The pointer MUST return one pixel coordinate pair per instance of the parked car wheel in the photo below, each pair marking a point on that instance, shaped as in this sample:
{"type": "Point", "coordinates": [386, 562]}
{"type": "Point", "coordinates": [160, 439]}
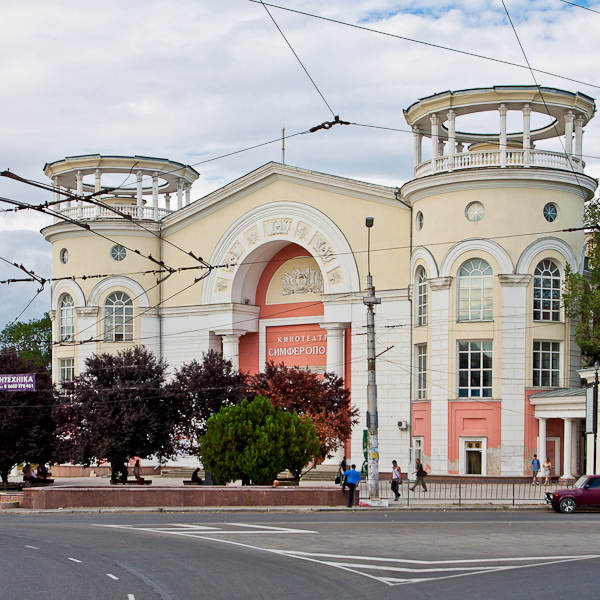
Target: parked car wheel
{"type": "Point", "coordinates": [567, 505]}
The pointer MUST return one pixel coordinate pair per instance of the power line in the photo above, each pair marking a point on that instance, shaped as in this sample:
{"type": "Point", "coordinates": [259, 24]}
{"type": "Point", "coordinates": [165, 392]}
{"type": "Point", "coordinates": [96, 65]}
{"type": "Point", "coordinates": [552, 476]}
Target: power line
{"type": "Point", "coordinates": [407, 39]}
{"type": "Point", "coordinates": [298, 59]}
{"type": "Point", "coordinates": [580, 6]}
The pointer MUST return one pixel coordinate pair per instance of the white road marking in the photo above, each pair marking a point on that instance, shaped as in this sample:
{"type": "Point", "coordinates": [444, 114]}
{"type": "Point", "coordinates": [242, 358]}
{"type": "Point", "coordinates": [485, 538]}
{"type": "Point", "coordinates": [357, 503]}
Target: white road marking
{"type": "Point", "coordinates": [32, 547]}
{"type": "Point", "coordinates": [373, 567]}
{"type": "Point", "coordinates": [112, 576]}
{"type": "Point", "coordinates": [202, 530]}
{"type": "Point", "coordinates": [130, 597]}
{"type": "Point", "coordinates": [74, 560]}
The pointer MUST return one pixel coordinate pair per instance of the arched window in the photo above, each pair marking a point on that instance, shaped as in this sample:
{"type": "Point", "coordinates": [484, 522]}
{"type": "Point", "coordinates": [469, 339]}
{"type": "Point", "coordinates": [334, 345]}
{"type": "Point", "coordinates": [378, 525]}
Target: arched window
{"type": "Point", "coordinates": [118, 318]}
{"type": "Point", "coordinates": [421, 280]}
{"type": "Point", "coordinates": [67, 319]}
{"type": "Point", "coordinates": [476, 291]}
{"type": "Point", "coordinates": [546, 292]}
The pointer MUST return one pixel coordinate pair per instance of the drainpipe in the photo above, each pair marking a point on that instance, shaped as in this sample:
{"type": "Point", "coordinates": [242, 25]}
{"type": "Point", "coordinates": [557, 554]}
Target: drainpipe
{"type": "Point", "coordinates": [158, 306]}
{"type": "Point", "coordinates": [410, 300]}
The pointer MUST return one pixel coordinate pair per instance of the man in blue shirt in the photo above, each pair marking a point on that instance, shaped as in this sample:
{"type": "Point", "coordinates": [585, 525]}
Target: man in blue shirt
{"type": "Point", "coordinates": [352, 480]}
{"type": "Point", "coordinates": [535, 467]}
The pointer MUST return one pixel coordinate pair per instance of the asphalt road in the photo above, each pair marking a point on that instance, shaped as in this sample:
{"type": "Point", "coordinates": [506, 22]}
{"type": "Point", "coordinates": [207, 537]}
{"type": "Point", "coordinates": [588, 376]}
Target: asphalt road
{"type": "Point", "coordinates": [412, 555]}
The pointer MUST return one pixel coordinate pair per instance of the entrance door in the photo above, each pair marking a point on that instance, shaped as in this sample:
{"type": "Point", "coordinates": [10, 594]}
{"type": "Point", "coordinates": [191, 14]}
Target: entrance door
{"type": "Point", "coordinates": [553, 454]}
{"type": "Point", "coordinates": [474, 462]}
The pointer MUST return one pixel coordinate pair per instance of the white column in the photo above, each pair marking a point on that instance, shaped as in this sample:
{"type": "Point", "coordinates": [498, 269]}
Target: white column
{"type": "Point", "coordinates": [527, 135]}
{"type": "Point", "coordinates": [140, 195]}
{"type": "Point", "coordinates": [512, 346]}
{"type": "Point", "coordinates": [569, 133]}
{"type": "Point", "coordinates": [97, 188]}
{"type": "Point", "coordinates": [168, 201]}
{"type": "Point", "coordinates": [188, 189]}
{"type": "Point", "coordinates": [335, 347]}
{"type": "Point", "coordinates": [417, 146]}
{"type": "Point", "coordinates": [568, 448]}
{"type": "Point", "coordinates": [179, 193]}
{"type": "Point", "coordinates": [451, 138]}
{"type": "Point", "coordinates": [68, 201]}
{"type": "Point", "coordinates": [579, 140]}
{"type": "Point", "coordinates": [440, 318]}
{"type": "Point", "coordinates": [231, 346]}
{"type": "Point", "coordinates": [502, 111]}
{"type": "Point", "coordinates": [79, 178]}
{"type": "Point", "coordinates": [435, 132]}
{"type": "Point", "coordinates": [542, 436]}
{"type": "Point", "coordinates": [155, 195]}
{"type": "Point", "coordinates": [90, 325]}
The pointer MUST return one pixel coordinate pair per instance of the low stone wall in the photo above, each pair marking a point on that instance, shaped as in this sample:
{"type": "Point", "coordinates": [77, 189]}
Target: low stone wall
{"type": "Point", "coordinates": [138, 497]}
{"type": "Point", "coordinates": [12, 497]}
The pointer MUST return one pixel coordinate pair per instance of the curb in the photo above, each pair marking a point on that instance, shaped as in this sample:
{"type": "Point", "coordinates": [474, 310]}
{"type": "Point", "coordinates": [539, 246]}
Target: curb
{"type": "Point", "coordinates": [277, 509]}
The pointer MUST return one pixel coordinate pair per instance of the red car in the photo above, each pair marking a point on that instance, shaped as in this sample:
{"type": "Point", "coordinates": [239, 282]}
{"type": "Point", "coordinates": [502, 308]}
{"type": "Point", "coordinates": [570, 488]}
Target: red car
{"type": "Point", "coordinates": [584, 492]}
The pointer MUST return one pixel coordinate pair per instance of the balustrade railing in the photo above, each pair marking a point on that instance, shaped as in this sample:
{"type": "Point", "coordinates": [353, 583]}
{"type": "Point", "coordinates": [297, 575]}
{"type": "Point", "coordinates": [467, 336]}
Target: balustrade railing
{"type": "Point", "coordinates": [90, 212]}
{"type": "Point", "coordinates": [492, 158]}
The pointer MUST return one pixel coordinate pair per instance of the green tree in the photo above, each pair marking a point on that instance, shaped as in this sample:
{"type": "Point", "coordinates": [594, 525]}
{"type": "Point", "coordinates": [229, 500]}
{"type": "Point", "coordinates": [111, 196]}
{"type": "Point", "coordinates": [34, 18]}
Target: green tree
{"type": "Point", "coordinates": [117, 409]}
{"type": "Point", "coordinates": [27, 426]}
{"type": "Point", "coordinates": [32, 340]}
{"type": "Point", "coordinates": [254, 441]}
{"type": "Point", "coordinates": [581, 296]}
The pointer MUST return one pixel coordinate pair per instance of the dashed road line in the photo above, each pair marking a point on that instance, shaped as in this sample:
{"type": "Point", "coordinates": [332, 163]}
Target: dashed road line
{"type": "Point", "coordinates": [130, 597]}
{"type": "Point", "coordinates": [112, 576]}
{"type": "Point", "coordinates": [74, 560]}
{"type": "Point", "coordinates": [32, 547]}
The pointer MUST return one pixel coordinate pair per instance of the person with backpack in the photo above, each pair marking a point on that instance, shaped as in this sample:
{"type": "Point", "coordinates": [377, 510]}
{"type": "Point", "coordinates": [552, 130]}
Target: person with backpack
{"type": "Point", "coordinates": [421, 473]}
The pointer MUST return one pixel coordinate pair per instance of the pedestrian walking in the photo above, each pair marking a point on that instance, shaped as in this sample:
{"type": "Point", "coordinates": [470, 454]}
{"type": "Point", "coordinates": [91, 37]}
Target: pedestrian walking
{"type": "Point", "coordinates": [395, 479]}
{"type": "Point", "coordinates": [421, 473]}
{"type": "Point", "coordinates": [352, 480]}
{"type": "Point", "coordinates": [341, 470]}
{"type": "Point", "coordinates": [535, 467]}
{"type": "Point", "coordinates": [547, 466]}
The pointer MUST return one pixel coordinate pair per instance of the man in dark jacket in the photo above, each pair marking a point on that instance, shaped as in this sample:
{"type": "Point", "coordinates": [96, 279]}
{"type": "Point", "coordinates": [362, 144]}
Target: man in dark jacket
{"type": "Point", "coordinates": [420, 473]}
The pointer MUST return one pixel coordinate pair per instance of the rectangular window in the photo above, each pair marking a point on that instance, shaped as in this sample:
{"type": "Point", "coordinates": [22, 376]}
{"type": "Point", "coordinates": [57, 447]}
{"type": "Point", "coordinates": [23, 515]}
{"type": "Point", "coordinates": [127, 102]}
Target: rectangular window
{"type": "Point", "coordinates": [546, 364]}
{"type": "Point", "coordinates": [67, 369]}
{"type": "Point", "coordinates": [422, 371]}
{"type": "Point", "coordinates": [475, 369]}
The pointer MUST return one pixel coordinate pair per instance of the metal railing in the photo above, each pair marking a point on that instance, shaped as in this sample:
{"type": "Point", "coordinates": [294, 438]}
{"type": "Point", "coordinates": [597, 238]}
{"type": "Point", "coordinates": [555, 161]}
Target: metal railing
{"type": "Point", "coordinates": [459, 490]}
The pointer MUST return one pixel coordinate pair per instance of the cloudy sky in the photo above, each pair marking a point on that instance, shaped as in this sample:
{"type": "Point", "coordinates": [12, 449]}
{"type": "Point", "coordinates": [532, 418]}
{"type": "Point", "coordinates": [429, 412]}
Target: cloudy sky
{"type": "Point", "coordinates": [192, 80]}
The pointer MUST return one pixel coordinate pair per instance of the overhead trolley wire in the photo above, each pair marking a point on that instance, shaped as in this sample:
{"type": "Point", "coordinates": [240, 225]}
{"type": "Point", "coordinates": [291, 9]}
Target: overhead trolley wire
{"type": "Point", "coordinates": [415, 41]}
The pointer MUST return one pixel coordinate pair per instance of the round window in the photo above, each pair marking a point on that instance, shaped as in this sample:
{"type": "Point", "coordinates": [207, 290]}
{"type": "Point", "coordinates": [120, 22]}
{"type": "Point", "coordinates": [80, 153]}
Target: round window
{"type": "Point", "coordinates": [550, 212]}
{"type": "Point", "coordinates": [64, 256]}
{"type": "Point", "coordinates": [475, 211]}
{"type": "Point", "coordinates": [420, 220]}
{"type": "Point", "coordinates": [118, 252]}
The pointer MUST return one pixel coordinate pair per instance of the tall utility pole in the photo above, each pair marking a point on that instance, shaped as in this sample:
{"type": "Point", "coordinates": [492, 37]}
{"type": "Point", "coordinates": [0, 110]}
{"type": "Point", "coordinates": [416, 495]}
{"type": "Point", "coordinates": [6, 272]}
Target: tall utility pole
{"type": "Point", "coordinates": [372, 444]}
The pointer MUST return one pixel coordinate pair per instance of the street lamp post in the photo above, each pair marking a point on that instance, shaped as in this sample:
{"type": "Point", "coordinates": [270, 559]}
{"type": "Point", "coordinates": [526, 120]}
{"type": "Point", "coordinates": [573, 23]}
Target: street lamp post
{"type": "Point", "coordinates": [595, 414]}
{"type": "Point", "coordinates": [372, 443]}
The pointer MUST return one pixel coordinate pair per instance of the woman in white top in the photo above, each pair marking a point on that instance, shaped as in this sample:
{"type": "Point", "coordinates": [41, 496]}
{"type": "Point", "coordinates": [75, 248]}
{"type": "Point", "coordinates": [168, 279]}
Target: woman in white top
{"type": "Point", "coordinates": [547, 466]}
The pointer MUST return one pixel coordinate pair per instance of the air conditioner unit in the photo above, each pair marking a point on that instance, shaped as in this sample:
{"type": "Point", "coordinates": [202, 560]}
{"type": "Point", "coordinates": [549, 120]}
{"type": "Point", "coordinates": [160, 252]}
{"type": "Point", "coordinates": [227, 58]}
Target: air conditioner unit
{"type": "Point", "coordinates": [403, 425]}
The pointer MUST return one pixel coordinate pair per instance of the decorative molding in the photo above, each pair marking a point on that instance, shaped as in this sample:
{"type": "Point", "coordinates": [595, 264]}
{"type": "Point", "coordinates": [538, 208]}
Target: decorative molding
{"type": "Point", "coordinates": [278, 227]}
{"type": "Point", "coordinates": [439, 284]}
{"type": "Point", "coordinates": [122, 283]}
{"type": "Point", "coordinates": [252, 236]}
{"type": "Point", "coordinates": [302, 281]}
{"type": "Point", "coordinates": [70, 287]}
{"type": "Point", "coordinates": [579, 184]}
{"type": "Point", "coordinates": [52, 315]}
{"type": "Point", "coordinates": [302, 230]}
{"type": "Point", "coordinates": [234, 256]}
{"type": "Point", "coordinates": [222, 284]}
{"type": "Point", "coordinates": [543, 245]}
{"type": "Point", "coordinates": [482, 245]}
{"type": "Point", "coordinates": [335, 277]}
{"type": "Point", "coordinates": [424, 254]}
{"type": "Point", "coordinates": [87, 311]}
{"type": "Point", "coordinates": [514, 280]}
{"type": "Point", "coordinates": [322, 248]}
{"type": "Point", "coordinates": [332, 247]}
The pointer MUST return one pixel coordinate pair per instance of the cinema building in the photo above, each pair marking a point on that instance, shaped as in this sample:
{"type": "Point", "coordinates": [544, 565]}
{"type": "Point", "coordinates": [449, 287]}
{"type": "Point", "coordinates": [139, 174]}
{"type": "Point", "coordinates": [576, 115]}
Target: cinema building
{"type": "Point", "coordinates": [477, 366]}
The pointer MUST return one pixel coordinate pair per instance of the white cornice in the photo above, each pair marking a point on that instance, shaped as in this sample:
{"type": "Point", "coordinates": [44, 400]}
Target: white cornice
{"type": "Point", "coordinates": [268, 174]}
{"type": "Point", "coordinates": [62, 231]}
{"type": "Point", "coordinates": [490, 177]}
